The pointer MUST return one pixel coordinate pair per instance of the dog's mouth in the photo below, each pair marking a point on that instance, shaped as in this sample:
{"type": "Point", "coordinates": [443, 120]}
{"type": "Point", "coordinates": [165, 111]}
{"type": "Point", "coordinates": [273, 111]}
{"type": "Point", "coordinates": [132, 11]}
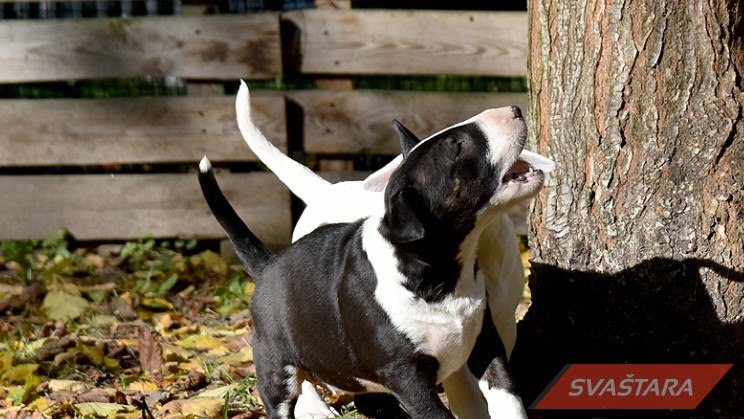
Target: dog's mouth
{"type": "Point", "coordinates": [520, 172]}
{"type": "Point", "coordinates": [529, 166]}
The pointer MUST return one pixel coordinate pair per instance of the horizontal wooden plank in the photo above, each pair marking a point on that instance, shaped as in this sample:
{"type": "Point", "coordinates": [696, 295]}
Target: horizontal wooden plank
{"type": "Point", "coordinates": [359, 121]}
{"type": "Point", "coordinates": [198, 47]}
{"type": "Point", "coordinates": [131, 130]}
{"type": "Point", "coordinates": [103, 207]}
{"type": "Point", "coordinates": [411, 42]}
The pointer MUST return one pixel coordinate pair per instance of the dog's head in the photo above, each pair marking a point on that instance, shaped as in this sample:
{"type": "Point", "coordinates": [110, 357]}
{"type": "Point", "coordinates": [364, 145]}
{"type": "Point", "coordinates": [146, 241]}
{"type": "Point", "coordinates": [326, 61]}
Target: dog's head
{"type": "Point", "coordinates": [460, 175]}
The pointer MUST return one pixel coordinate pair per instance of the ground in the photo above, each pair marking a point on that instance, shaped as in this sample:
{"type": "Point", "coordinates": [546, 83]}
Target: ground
{"type": "Point", "coordinates": [141, 329]}
{"type": "Point", "coordinates": [112, 330]}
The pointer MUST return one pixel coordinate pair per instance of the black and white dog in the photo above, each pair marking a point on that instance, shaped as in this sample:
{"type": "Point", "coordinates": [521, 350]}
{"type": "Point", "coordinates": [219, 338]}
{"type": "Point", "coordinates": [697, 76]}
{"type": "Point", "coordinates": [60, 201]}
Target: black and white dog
{"type": "Point", "coordinates": [497, 256]}
{"type": "Point", "coordinates": [397, 299]}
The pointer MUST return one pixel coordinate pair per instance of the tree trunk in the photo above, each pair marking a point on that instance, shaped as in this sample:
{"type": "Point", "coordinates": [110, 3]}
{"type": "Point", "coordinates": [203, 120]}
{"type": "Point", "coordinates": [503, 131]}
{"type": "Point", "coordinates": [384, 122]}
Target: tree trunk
{"type": "Point", "coordinates": [638, 238]}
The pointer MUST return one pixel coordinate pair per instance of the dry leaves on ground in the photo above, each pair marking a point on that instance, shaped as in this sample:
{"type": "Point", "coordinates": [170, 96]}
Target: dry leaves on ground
{"type": "Point", "coordinates": [115, 330]}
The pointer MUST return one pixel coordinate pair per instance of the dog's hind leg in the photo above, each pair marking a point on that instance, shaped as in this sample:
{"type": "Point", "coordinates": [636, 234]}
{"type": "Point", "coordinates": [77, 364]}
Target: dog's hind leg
{"type": "Point", "coordinates": [465, 398]}
{"type": "Point", "coordinates": [379, 405]}
{"type": "Point", "coordinates": [279, 388]}
{"type": "Point", "coordinates": [414, 385]}
{"type": "Point", "coordinates": [311, 406]}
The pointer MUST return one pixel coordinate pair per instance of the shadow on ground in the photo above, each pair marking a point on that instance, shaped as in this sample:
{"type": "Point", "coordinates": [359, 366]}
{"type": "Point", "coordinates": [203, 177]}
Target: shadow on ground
{"type": "Point", "coordinates": [656, 312]}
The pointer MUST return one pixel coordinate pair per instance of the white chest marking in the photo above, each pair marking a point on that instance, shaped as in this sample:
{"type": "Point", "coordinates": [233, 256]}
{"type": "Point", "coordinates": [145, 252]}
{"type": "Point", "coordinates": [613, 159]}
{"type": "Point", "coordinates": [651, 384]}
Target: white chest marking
{"type": "Point", "coordinates": [446, 329]}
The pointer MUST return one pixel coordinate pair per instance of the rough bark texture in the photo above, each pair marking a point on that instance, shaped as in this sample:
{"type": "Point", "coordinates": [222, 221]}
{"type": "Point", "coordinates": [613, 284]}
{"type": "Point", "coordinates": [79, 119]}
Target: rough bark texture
{"type": "Point", "coordinates": [638, 238]}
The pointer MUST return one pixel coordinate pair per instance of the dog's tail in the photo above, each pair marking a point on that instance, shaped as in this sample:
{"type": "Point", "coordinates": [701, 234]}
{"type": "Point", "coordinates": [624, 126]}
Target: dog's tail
{"type": "Point", "coordinates": [302, 181]}
{"type": "Point", "coordinates": [251, 251]}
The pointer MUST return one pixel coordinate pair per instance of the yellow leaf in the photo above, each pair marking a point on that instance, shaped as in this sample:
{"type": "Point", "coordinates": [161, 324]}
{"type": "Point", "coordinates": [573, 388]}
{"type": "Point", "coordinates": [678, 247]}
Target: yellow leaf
{"type": "Point", "coordinates": [210, 260]}
{"type": "Point", "coordinates": [195, 406]}
{"type": "Point", "coordinates": [174, 353]}
{"type": "Point", "coordinates": [62, 357]}
{"type": "Point", "coordinates": [64, 303]}
{"type": "Point", "coordinates": [128, 342]}
{"type": "Point", "coordinates": [40, 403]}
{"type": "Point", "coordinates": [67, 385]}
{"type": "Point", "coordinates": [94, 354]}
{"type": "Point", "coordinates": [143, 386]}
{"type": "Point", "coordinates": [6, 361]}
{"type": "Point", "coordinates": [236, 359]}
{"type": "Point", "coordinates": [201, 343]}
{"type": "Point", "coordinates": [230, 330]}
{"type": "Point", "coordinates": [16, 393]}
{"type": "Point", "coordinates": [19, 373]}
{"type": "Point", "coordinates": [192, 365]}
{"type": "Point", "coordinates": [250, 287]}
{"type": "Point", "coordinates": [525, 258]}
{"type": "Point", "coordinates": [156, 303]}
{"type": "Point", "coordinates": [218, 392]}
{"type": "Point", "coordinates": [102, 409]}
{"type": "Point", "coordinates": [162, 321]}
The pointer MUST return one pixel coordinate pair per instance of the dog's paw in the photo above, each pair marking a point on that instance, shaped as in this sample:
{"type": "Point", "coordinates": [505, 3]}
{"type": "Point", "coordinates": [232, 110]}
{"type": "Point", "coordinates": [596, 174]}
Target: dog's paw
{"type": "Point", "coordinates": [503, 404]}
{"type": "Point", "coordinates": [311, 406]}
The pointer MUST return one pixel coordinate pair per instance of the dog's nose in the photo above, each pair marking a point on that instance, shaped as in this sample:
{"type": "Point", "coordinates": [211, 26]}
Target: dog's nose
{"type": "Point", "coordinates": [516, 111]}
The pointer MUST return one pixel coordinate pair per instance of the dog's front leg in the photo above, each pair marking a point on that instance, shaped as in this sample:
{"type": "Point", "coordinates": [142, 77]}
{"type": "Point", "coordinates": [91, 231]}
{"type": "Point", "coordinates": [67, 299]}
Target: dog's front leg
{"type": "Point", "coordinates": [421, 402]}
{"type": "Point", "coordinates": [489, 361]}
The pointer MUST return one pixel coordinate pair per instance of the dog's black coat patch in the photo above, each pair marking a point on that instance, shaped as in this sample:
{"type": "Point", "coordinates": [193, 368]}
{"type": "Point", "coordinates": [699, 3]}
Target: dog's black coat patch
{"type": "Point", "coordinates": [285, 313]}
{"type": "Point", "coordinates": [430, 262]}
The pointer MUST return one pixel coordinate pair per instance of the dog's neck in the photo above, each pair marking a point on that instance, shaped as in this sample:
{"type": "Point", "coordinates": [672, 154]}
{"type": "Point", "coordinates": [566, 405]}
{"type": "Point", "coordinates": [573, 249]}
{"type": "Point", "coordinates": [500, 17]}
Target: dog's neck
{"type": "Point", "coordinates": [433, 265]}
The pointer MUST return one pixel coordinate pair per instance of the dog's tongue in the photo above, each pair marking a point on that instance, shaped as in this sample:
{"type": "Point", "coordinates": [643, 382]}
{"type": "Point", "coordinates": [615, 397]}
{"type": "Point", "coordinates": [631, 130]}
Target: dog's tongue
{"type": "Point", "coordinates": [537, 161]}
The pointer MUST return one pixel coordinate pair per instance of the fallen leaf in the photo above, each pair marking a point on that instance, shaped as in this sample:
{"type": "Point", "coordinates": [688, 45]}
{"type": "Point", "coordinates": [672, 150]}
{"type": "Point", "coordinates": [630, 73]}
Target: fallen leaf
{"type": "Point", "coordinates": [196, 406]}
{"type": "Point", "coordinates": [142, 386]}
{"type": "Point", "coordinates": [174, 353]}
{"type": "Point", "coordinates": [218, 392]}
{"type": "Point", "coordinates": [16, 393]}
{"type": "Point", "coordinates": [200, 343]}
{"type": "Point", "coordinates": [102, 409]}
{"type": "Point", "coordinates": [64, 302]}
{"type": "Point", "coordinates": [40, 403]}
{"type": "Point", "coordinates": [157, 304]}
{"type": "Point", "coordinates": [19, 373]}
{"type": "Point", "coordinates": [250, 288]}
{"type": "Point", "coordinates": [121, 307]}
{"type": "Point", "coordinates": [6, 361]}
{"type": "Point", "coordinates": [191, 365]}
{"type": "Point", "coordinates": [20, 412]}
{"type": "Point", "coordinates": [150, 352]}
{"type": "Point", "coordinates": [210, 260]}
{"type": "Point", "coordinates": [67, 385]}
{"type": "Point", "coordinates": [236, 359]}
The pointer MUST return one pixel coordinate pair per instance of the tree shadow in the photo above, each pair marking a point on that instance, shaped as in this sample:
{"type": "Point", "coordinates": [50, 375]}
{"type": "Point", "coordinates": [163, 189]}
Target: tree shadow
{"type": "Point", "coordinates": [656, 312]}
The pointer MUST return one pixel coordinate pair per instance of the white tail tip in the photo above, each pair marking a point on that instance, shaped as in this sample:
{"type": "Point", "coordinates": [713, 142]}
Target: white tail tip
{"type": "Point", "coordinates": [205, 165]}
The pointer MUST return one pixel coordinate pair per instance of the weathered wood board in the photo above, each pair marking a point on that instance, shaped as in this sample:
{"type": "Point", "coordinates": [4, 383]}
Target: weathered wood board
{"type": "Point", "coordinates": [360, 121]}
{"type": "Point", "coordinates": [411, 42]}
{"type": "Point", "coordinates": [131, 130]}
{"type": "Point", "coordinates": [102, 207]}
{"type": "Point", "coordinates": [197, 47]}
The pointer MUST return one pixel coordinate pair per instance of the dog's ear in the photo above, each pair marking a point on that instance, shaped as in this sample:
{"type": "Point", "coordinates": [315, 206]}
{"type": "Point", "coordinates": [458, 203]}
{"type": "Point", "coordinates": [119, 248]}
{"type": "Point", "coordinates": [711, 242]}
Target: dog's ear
{"type": "Point", "coordinates": [408, 140]}
{"type": "Point", "coordinates": [400, 221]}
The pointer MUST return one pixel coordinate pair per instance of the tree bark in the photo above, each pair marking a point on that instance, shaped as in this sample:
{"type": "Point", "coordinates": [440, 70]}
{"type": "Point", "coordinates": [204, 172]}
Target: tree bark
{"type": "Point", "coordinates": [638, 238]}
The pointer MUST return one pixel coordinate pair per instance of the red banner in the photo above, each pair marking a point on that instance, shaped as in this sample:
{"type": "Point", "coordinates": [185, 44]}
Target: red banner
{"type": "Point", "coordinates": [631, 386]}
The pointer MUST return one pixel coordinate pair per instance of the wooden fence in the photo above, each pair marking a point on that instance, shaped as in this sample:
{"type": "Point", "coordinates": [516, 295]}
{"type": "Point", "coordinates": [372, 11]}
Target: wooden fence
{"type": "Point", "coordinates": [44, 133]}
